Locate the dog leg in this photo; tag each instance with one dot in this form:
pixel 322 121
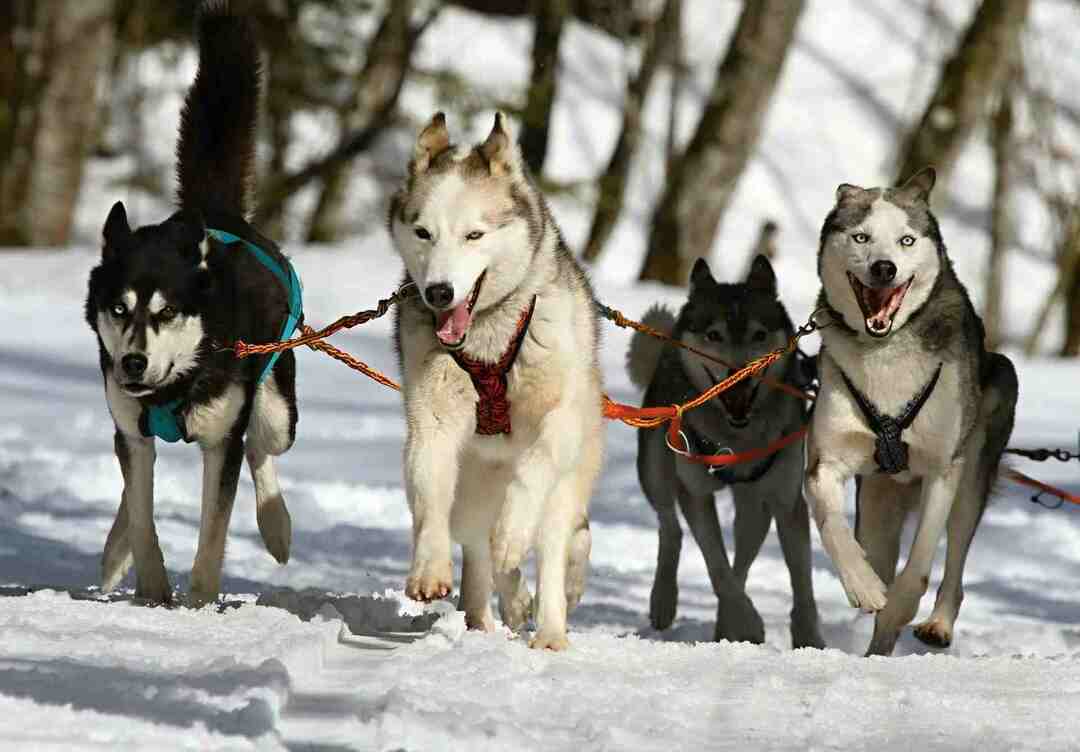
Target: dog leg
pixel 752 522
pixel 137 456
pixel 117 558
pixel 476 584
pixel 430 481
pixel 221 471
pixel 736 618
pixel 656 473
pixel 275 525
pixel 824 488
pixel 939 493
pixel 793 529
pixel 515 601
pixel 270 433
pixel 882 506
pixel 553 554
pixel 577 570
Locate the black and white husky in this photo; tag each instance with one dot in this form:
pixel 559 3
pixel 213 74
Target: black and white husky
pixel 912 405
pixel 161 301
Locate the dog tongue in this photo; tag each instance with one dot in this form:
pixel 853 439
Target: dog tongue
pixel 883 303
pixel 450 326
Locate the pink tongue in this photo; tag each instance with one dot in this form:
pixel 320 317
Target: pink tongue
pixel 450 326
pixel 883 302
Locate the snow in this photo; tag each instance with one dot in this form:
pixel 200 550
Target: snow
pixel 326 653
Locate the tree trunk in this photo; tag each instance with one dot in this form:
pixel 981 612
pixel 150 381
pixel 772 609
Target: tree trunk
pixel 703 180
pixel 549 17
pixel 1001 138
pixel 969 79
pixel 378 88
pixel 59 50
pixel 1070 268
pixel 612 184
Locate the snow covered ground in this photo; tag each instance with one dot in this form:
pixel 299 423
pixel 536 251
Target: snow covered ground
pixel 326 653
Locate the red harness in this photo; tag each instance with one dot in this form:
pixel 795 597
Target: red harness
pixel 490 381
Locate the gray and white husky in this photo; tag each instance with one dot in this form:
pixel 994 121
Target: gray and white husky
pixel 734 323
pixel 161 298
pixel 501 384
pixel 911 405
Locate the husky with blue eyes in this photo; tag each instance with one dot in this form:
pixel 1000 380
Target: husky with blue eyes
pixel 912 406
pixel 161 302
pixel 501 384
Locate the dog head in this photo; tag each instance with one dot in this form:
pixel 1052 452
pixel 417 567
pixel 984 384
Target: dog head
pixel 881 253
pixel 734 323
pixel 145 299
pixel 466 224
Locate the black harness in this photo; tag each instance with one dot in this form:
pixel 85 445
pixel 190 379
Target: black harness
pixel 891 452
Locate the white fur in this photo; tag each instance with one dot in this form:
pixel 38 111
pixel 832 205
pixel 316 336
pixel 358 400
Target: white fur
pixel 499 496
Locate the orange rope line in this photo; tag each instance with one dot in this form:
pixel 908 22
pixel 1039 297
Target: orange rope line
pixel 1026 480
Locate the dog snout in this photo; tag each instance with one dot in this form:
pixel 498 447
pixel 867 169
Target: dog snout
pixel 883 272
pixel 439 295
pixel 134 365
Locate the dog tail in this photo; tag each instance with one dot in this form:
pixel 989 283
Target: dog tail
pixel 645 350
pixel 216 150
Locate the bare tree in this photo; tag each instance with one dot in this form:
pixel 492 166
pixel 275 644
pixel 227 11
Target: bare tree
pixel 549 18
pixel 53 54
pixel 1001 141
pixel 376 91
pixel 969 80
pixel 1070 275
pixel 611 192
pixel 701 183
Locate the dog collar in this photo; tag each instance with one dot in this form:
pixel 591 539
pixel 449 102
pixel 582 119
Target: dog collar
pixel 166 421
pixel 698 444
pixel 891 451
pixel 490 380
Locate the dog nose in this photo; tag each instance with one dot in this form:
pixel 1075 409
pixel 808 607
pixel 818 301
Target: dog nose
pixel 440 295
pixel 883 272
pixel 134 364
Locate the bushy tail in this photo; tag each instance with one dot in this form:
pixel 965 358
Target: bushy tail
pixel 216 150
pixel 645 350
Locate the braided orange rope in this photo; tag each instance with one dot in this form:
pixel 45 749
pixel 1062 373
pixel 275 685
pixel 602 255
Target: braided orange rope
pixel 616 317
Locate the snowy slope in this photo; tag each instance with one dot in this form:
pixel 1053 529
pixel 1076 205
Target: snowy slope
pixel 285 665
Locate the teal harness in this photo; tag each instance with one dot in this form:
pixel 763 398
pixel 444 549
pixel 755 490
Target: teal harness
pixel 165 421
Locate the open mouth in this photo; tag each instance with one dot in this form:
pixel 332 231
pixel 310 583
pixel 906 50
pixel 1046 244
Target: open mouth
pixel 738 399
pixel 452 325
pixel 137 389
pixel 878 304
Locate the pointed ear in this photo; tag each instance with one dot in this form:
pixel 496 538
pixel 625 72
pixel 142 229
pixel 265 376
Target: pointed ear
pixel 498 149
pixel 762 277
pixel 116 233
pixel 848 192
pixel 919 185
pixel 700 275
pixel 431 142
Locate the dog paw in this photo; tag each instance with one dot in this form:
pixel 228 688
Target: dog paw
pixel 508 549
pixel 934 632
pixel 738 621
pixel 154 590
pixel 662 604
pixel 806 631
pixel 275 526
pixel 864 589
pixel 515 609
pixel 883 642
pixel 430 581
pixel 479 622
pixel 556 641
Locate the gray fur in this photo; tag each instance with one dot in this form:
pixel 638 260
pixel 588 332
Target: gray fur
pixel 955 442
pixel 739 311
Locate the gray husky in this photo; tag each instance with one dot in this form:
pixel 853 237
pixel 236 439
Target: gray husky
pixel 912 405
pixel 501 384
pixel 735 323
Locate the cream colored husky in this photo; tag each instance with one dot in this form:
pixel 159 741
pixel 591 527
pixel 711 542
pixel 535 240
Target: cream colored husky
pixel 501 385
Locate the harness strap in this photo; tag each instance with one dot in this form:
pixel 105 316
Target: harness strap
pixel 891 451
pixel 491 380
pixel 720 461
pixel 166 421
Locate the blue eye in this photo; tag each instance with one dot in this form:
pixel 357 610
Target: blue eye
pixel 907 240
pixel 119 310
pixel 860 237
